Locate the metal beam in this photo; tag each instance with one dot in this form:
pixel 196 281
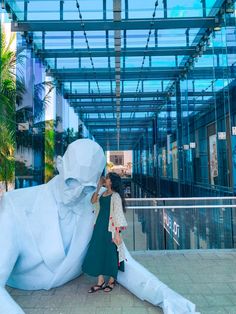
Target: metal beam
pixel 101 121
pixel 131 95
pixel 135 122
pixel 113 137
pixel 112 146
pixel 113 133
pixel 125 128
pixel 95 104
pixel 123 133
pixel 143 104
pixel 140 109
pixel 154 73
pixel 129 52
pixel 125 24
pixel 113 125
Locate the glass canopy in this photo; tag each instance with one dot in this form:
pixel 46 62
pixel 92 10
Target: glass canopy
pixel 120 63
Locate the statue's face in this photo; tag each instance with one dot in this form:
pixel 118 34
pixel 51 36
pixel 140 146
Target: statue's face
pixel 74 190
pixel 80 170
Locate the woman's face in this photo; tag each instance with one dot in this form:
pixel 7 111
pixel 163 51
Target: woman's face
pixel 107 182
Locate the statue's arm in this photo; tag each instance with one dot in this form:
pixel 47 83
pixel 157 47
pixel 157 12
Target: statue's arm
pixel 9 252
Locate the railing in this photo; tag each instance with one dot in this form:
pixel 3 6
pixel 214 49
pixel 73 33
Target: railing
pixel 180 223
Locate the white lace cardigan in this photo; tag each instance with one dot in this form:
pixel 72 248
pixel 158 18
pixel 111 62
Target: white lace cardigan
pixel 117 221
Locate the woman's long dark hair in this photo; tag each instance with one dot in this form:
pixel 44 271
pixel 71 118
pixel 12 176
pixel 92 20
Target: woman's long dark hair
pixel 116 186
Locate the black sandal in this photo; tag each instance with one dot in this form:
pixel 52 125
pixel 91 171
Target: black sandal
pixel 109 286
pixel 100 287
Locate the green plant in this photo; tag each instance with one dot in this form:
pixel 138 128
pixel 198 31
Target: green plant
pixel 49 150
pixel 12 85
pixel 41 102
pixel 7 160
pixel 11 89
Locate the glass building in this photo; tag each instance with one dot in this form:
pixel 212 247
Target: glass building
pixel 154 77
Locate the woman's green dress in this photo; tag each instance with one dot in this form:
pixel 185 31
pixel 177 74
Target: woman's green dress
pixel 102 256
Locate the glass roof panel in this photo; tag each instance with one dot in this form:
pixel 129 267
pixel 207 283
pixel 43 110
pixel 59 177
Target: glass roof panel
pixel 206 61
pixel 132 62
pixel 37 10
pixel 18 8
pixel 54 40
pixel 194 35
pixel 93 9
pixel 184 8
pixel 80 87
pixel 90 9
pixel 130 86
pixel 51 62
pixel 70 63
pixel 167 38
pixel 163 61
pixel 150 86
pixel 209 6
pixel 231 36
pixel 139 39
pixel 138 10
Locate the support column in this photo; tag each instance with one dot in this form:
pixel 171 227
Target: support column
pixel 43 40
pixel 165 8
pixel 168 131
pixel 232 125
pixel 25 10
pixel 61 9
pixel 72 39
pixel 179 136
pixel 203 8
pixel 187 37
pixel 126 9
pixel 104 9
pixel 117 42
pixel 155 155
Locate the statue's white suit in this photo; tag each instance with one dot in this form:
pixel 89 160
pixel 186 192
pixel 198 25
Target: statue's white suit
pixel 45 231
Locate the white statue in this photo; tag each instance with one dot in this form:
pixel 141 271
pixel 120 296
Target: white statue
pixel 45 231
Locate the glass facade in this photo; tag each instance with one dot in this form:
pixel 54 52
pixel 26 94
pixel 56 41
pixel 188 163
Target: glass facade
pixel 46 123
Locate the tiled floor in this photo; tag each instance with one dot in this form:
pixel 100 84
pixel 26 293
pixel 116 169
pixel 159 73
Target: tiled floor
pixel 207 278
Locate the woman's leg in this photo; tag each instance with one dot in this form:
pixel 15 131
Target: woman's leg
pixel 110 285
pixel 100 280
pixel 99 286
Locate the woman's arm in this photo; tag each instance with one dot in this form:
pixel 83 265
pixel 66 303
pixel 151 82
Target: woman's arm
pixel 117 238
pixel 95 196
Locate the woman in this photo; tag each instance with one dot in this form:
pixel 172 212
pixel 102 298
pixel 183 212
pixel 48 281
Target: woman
pixel 105 254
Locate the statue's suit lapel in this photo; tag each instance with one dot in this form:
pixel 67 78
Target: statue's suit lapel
pixel 44 224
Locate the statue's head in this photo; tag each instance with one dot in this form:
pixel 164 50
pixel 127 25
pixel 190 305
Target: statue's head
pixel 80 169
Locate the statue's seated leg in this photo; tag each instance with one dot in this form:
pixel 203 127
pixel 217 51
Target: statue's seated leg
pixel 146 286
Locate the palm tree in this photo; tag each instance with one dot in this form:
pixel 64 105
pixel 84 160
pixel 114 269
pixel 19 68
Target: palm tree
pixel 12 86
pixel 49 150
pixel 11 89
pixel 7 160
pixel 42 102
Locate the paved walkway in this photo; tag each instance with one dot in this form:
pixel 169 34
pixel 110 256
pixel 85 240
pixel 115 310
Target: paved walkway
pixel 207 278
